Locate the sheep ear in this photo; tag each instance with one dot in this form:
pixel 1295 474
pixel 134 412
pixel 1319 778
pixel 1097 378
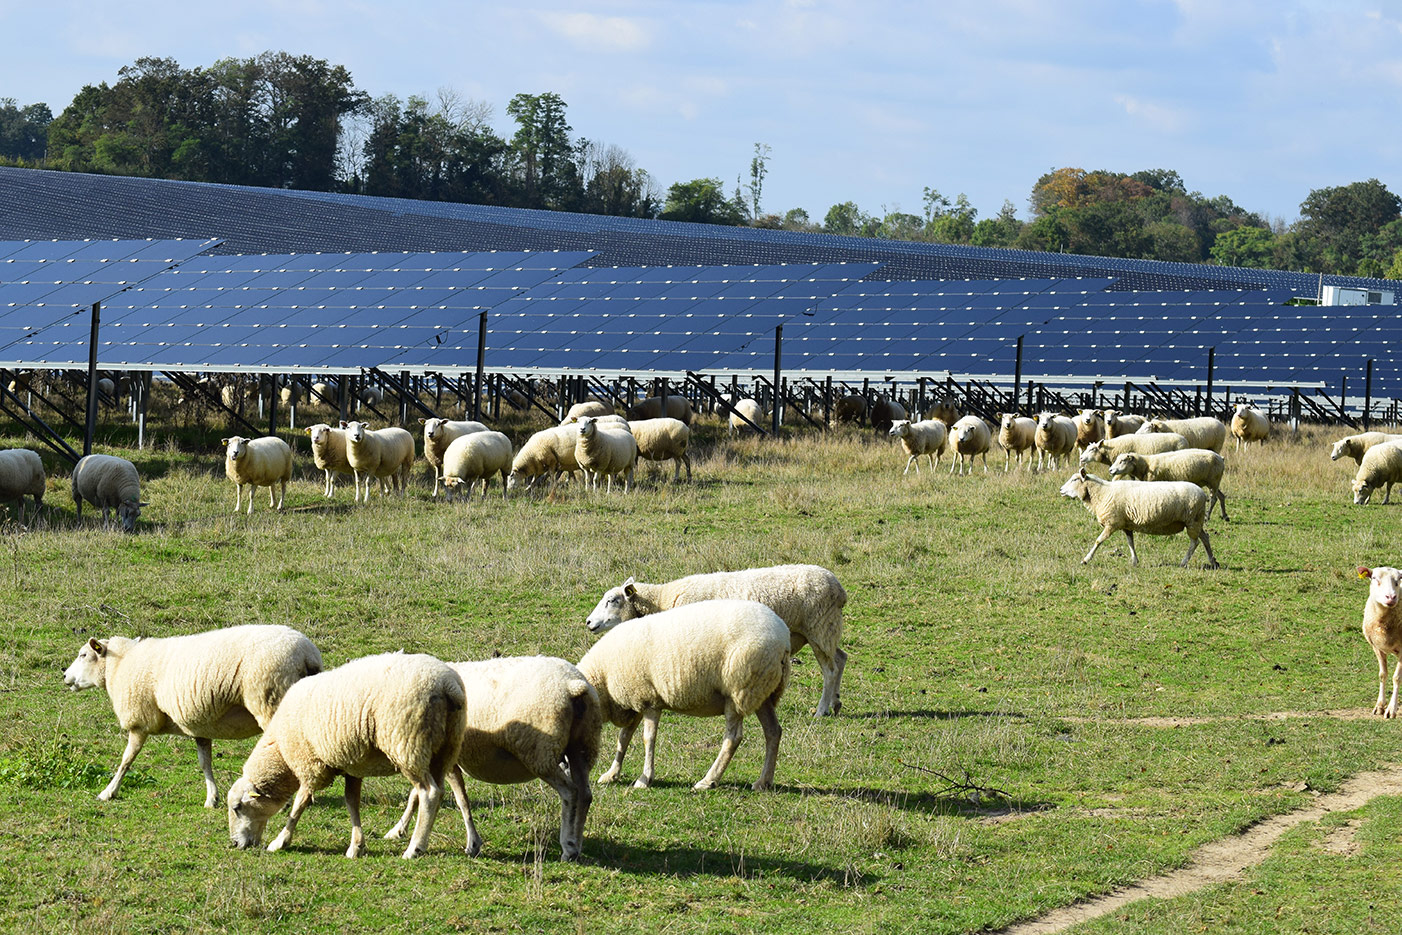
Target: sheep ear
pixel 223 441
pixel 95 646
pixel 1364 572
pixel 144 503
pixel 629 587
pixel 423 422
pixel 344 424
pixel 1083 473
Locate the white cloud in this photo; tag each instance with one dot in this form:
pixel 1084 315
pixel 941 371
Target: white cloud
pixel 599 33
pixel 1158 117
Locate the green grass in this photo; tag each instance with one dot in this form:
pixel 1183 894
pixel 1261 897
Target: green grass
pixel 985 767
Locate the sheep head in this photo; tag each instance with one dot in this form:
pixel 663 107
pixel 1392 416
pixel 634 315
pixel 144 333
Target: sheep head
pixel 89 670
pixel 1384 585
pixel 613 608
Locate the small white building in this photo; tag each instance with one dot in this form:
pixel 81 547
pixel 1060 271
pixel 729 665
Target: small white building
pixel 1343 295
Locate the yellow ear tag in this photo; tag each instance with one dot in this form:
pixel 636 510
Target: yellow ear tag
pixel 1363 576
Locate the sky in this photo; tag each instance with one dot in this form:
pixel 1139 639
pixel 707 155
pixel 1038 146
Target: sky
pixel 869 102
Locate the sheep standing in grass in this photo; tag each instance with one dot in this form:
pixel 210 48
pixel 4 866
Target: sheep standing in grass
pixel 1107 450
pixel 946 409
pixel 1381 467
pixel 386 455
pixel 707 659
pixel 257 462
pixel 1118 423
pixel 1090 427
pixel 1356 446
pixel 528 717
pixel 926 438
pixel 751 410
pixel 1382 628
pixel 662 440
pixel 1202 432
pixel 108 482
pixel 375 716
pixel 549 451
pixel 676 407
pixel 1250 425
pixel 1055 438
pixel 885 413
pixel 1017 435
pixel 329 454
pixel 808 598
pixel 474 457
pixel 1156 508
pixel 590 407
pixel 850 409
pixel 372 396
pixel 223 684
pixel 438 435
pixel 970 438
pixel 605 450
pixel 21 473
pixel 1196 465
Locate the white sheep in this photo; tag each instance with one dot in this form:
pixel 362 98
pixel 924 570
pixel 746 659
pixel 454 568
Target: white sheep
pixel 108 482
pixel 1119 423
pixel 222 684
pixel 677 407
pixel 375 716
pixel 750 409
pixel 926 438
pixel 473 457
pixel 590 407
pixel 605 450
pixel 1250 425
pixel 1090 427
pixel 970 438
pixel 1017 435
pixel 1201 432
pixel 438 435
pixel 1356 446
pixel 329 454
pixel 1381 467
pixel 1382 628
pixel 528 717
pixel 257 462
pixel 662 440
pixel 714 657
pixel 1055 439
pixel 22 472
pixel 1196 465
pixel 1107 450
pixel 549 451
pixel 322 392
pixel 292 393
pixel 383 454
pixel 808 598
pixel 1156 508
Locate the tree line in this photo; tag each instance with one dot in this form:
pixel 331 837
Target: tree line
pixel 294 121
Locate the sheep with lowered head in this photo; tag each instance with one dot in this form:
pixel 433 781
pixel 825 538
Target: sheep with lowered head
pixel 224 684
pixel 706 659
pixel 970 438
pixel 925 438
pixel 1196 465
pixel 590 407
pixel 438 435
pixel 676 407
pixel 386 455
pixel 751 410
pixel 1055 439
pixel 21 473
pixel 257 462
pixel 1017 435
pixel 108 482
pixel 1107 450
pixel 473 457
pixel 851 408
pixel 329 454
pixel 1382 628
pixel 885 412
pixel 374 716
pixel 1120 423
pixel 528 717
pixel 1381 467
pixel 549 451
pixel 1250 424
pixel 808 598
pixel 1156 508
pixel 606 450
pixel 1201 432
pixel 662 440
pixel 1356 446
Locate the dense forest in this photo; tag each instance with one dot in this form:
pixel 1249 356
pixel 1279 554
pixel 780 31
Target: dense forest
pixel 291 121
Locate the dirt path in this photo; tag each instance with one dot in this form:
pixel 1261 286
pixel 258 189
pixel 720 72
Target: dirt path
pixel 1221 860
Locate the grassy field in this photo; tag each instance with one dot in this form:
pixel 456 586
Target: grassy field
pixel 1019 731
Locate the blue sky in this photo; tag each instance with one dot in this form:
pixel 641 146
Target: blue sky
pixel 1260 100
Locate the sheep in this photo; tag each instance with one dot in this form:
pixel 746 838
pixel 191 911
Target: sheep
pixel 257 462
pixel 603 449
pixel 651 408
pixel 1119 423
pixel 885 412
pixel 662 440
pixel 22 472
pixel 728 657
pixel 1250 425
pixel 926 438
pixel 222 684
pixel 750 409
pixel 22 382
pixel 611 419
pixel 527 718
pixel 374 716
pixel 850 409
pixel 808 598
pixel 476 456
pixel 105 387
pixel 945 409
pixel 1107 450
pixel 1055 439
pixel 1381 467
pixel 1197 465
pixel 438 435
pixel 292 393
pixel 1382 628
pixel 372 396
pixel 108 482
pixel 329 454
pixel 970 437
pixel 1017 434
pixel 549 451
pixel 386 454
pixel 590 407
pixel 1090 427
pixel 1356 446
pixel 1203 432
pixel 1156 508
pixel 321 392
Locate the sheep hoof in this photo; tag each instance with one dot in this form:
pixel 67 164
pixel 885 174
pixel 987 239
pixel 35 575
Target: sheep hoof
pixel 413 852
pixel 105 795
pixel 641 783
pixel 760 785
pixel 354 851
pixel 394 834
pixel 703 785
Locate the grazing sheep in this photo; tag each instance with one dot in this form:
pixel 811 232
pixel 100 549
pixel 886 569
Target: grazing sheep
pixel 22 472
pixel 223 684
pixel 1055 439
pixel 1382 628
pixel 1119 423
pixel 651 408
pixel 970 437
pixel 714 657
pixel 1250 425
pixel 662 440
pixel 372 396
pixel 108 482
pixel 386 454
pixel 1156 508
pixel 1017 435
pixel 1202 432
pixel 885 412
pixel 476 456
pixel 438 435
pixel 850 409
pixel 257 462
pixel 1356 446
pixel 1196 465
pixel 329 454
pixel 229 396
pixel 321 391
pixel 590 407
pixel 375 716
pixel 808 598
pixel 1381 467
pixel 1107 450
pixel 925 438
pixel 106 387
pixel 549 451
pixel 605 450
pixel 1090 427
pixel 750 409
pixel 528 717
pixel 292 393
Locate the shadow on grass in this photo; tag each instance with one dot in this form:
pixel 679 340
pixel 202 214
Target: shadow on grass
pixel 924 803
pixel 686 862
pixel 933 715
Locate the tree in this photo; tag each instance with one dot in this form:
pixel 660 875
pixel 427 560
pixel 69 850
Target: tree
pixel 848 220
pixel 542 146
pixel 702 201
pixel 1001 231
pixel 1394 271
pixel 946 221
pixel 759 168
pixel 1245 246
pixel 24 131
pixel 612 184
pixel 1339 218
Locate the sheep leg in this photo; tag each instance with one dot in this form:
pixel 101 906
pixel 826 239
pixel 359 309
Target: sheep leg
pixel 1387 493
pixel 769 721
pixel 238 501
pixel 299 805
pixel 583 799
pixel 570 825
pixel 135 741
pixel 1104 534
pixel 1206 544
pixel 205 748
pixel 628 480
pixel 474 840
pixel 430 792
pixel 650 716
pixel 734 733
pixel 1222 503
pixel 625 737
pixel 397 831
pixel 253 489
pixel 1133 556
pixel 908 462
pixel 357 841
pixel 828 703
pixel 1392 705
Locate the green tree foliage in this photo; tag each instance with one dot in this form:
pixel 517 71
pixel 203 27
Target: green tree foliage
pixel 703 201
pixel 544 164
pixel 848 220
pixel 1000 231
pixel 1245 246
pixel 443 153
pixel 24 131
